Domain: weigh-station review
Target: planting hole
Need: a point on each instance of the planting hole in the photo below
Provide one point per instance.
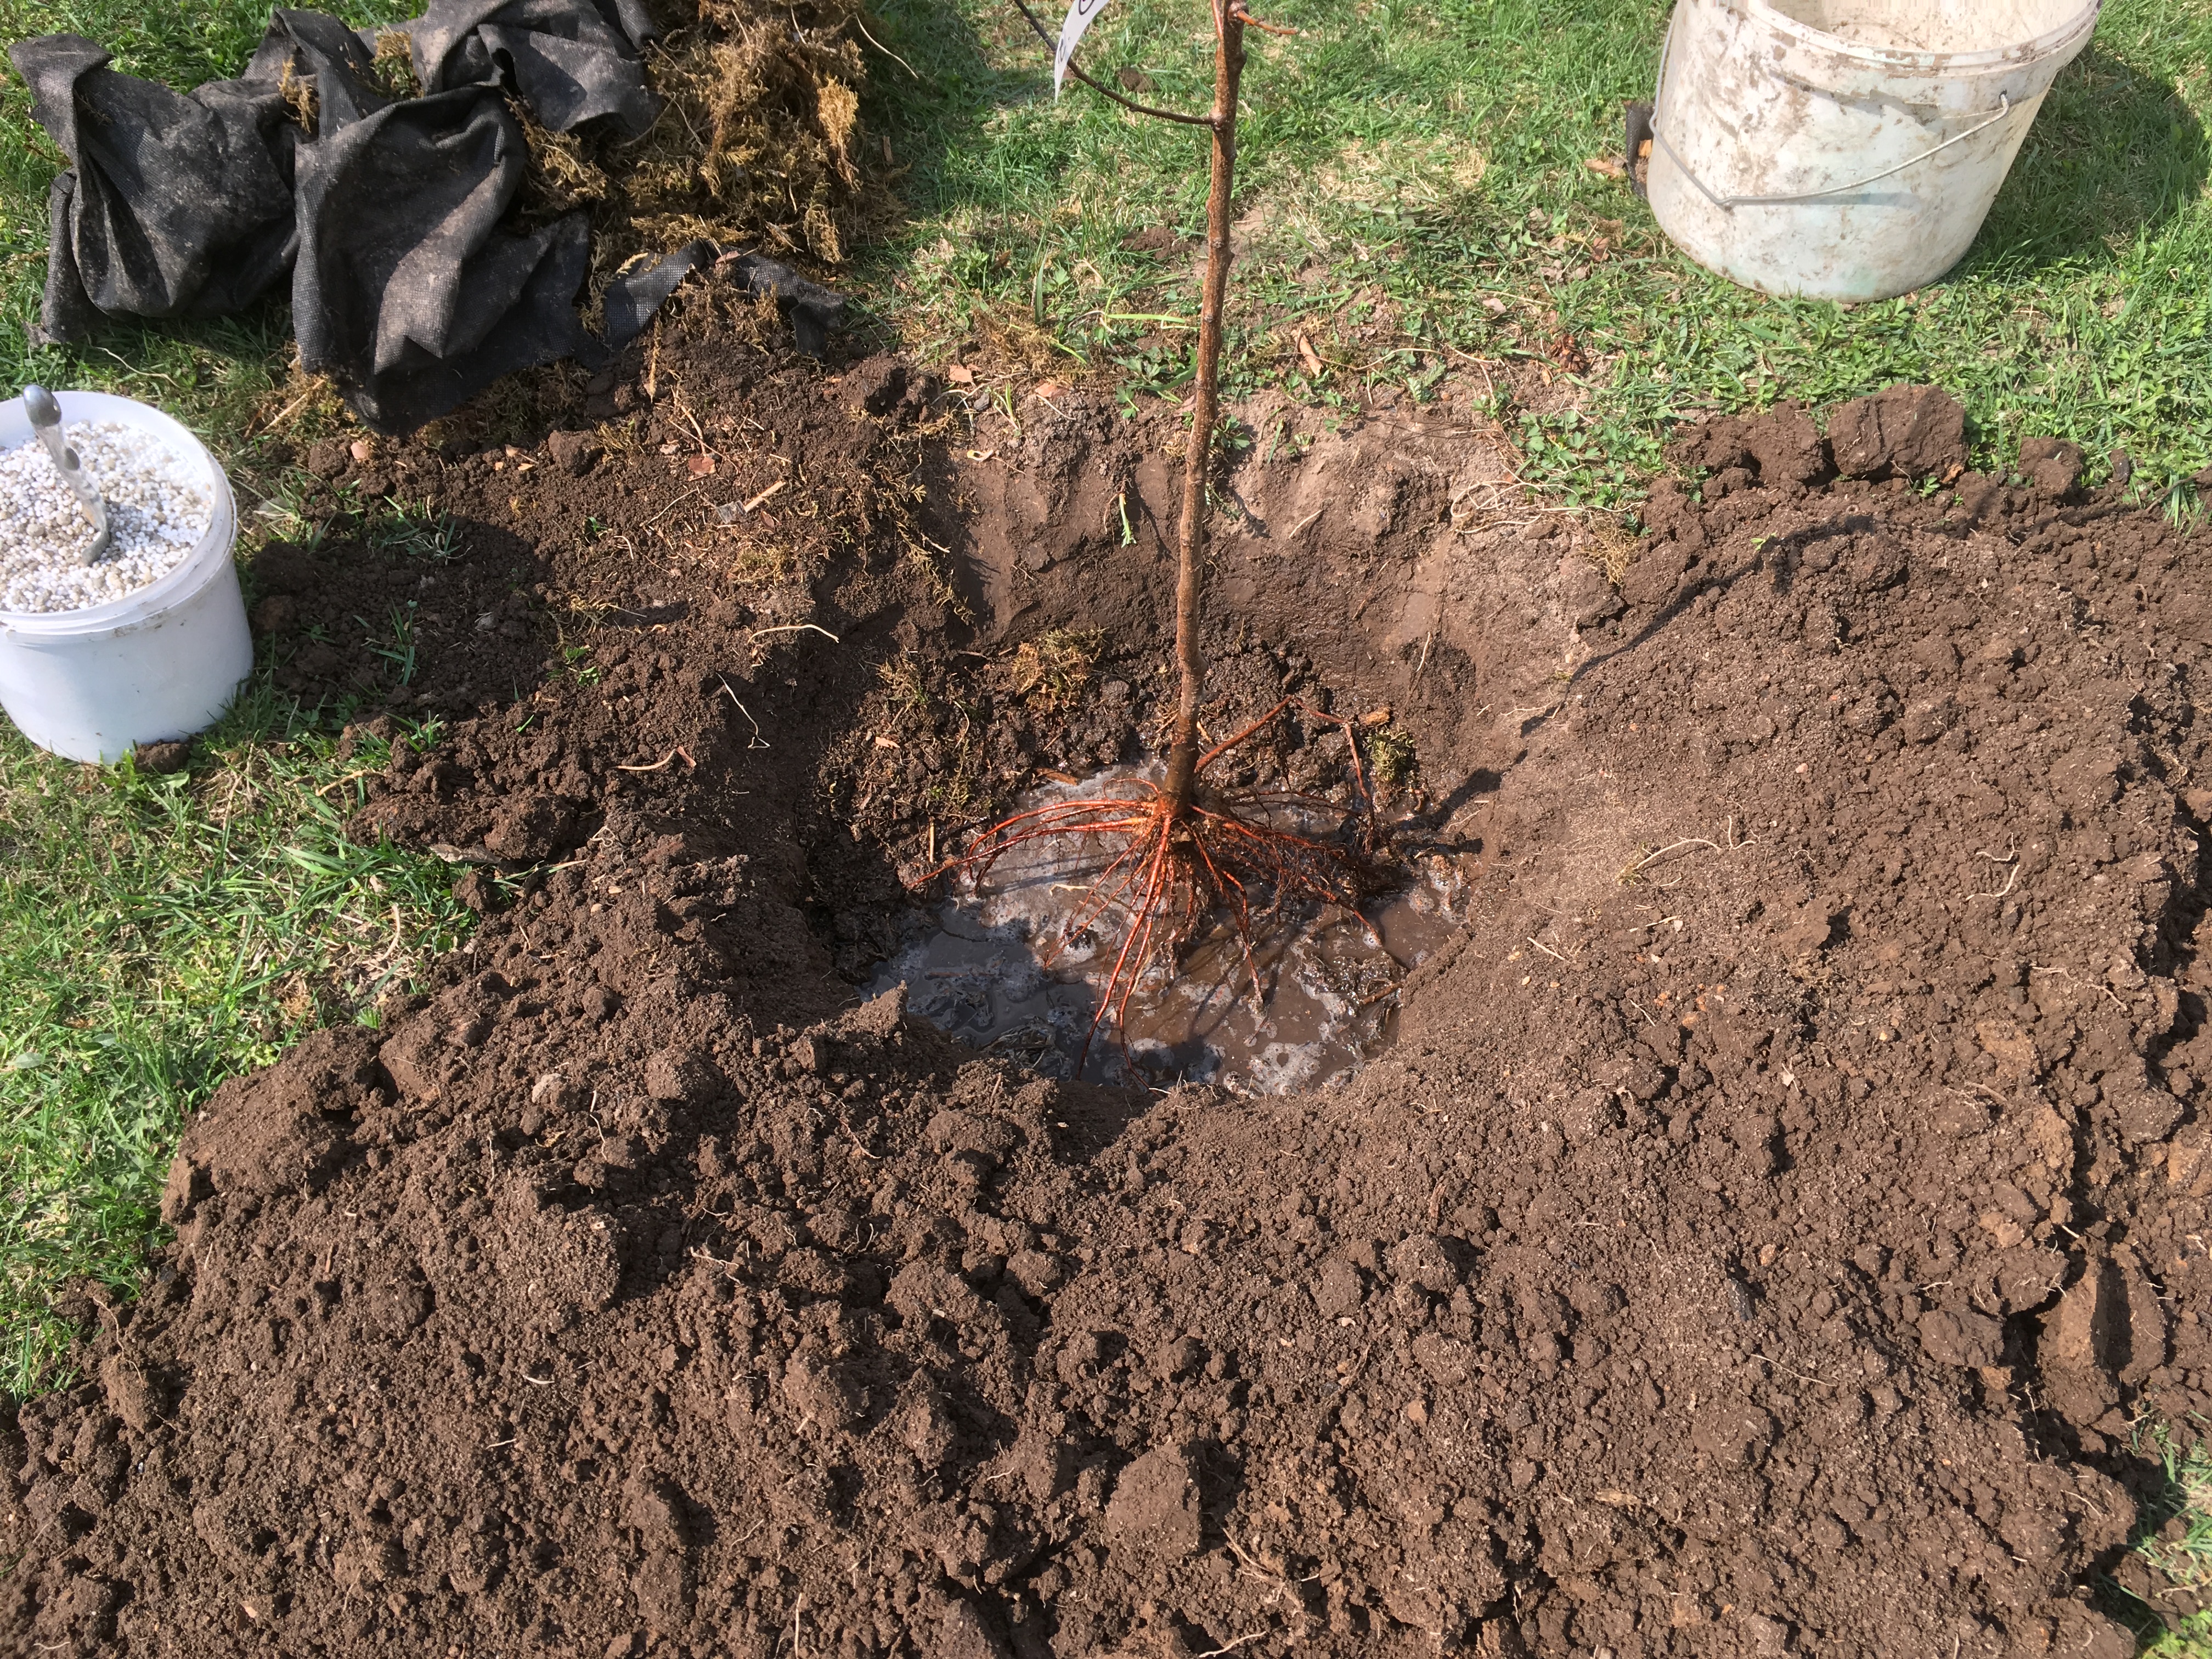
(999, 972)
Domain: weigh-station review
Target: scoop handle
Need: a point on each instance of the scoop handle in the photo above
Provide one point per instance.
(44, 410)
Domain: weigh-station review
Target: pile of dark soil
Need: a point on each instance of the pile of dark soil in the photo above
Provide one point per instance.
(1778, 1212)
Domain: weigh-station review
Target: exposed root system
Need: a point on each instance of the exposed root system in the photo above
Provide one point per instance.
(1176, 869)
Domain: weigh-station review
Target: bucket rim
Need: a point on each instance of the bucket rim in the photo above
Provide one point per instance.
(186, 577)
(2068, 34)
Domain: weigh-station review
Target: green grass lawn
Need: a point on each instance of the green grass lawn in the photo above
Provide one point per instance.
(1413, 188)
(2174, 1531)
(157, 935)
(1413, 200)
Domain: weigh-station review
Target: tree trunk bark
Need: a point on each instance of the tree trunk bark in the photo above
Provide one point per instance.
(1190, 571)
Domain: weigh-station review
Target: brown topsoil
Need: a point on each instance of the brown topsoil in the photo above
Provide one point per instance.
(1776, 1213)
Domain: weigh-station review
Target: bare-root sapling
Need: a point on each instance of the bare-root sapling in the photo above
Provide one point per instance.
(1179, 854)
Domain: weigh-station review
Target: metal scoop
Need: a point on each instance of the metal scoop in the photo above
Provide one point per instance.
(45, 415)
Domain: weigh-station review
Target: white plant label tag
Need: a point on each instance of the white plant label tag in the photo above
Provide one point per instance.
(1079, 19)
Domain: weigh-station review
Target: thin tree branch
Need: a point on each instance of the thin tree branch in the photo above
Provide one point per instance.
(1250, 21)
(1107, 91)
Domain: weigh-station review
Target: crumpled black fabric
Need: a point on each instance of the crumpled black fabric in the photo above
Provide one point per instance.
(633, 297)
(405, 288)
(567, 61)
(177, 205)
(812, 310)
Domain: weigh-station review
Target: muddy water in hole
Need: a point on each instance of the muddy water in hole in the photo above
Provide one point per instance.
(990, 975)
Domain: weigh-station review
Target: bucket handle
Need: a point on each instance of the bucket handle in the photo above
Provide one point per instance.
(1729, 203)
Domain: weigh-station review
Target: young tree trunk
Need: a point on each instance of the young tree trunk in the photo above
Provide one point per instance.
(1190, 572)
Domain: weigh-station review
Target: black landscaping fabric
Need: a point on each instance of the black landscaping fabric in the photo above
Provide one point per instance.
(177, 205)
(566, 60)
(812, 310)
(386, 212)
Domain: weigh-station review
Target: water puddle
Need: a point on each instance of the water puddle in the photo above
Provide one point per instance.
(1328, 976)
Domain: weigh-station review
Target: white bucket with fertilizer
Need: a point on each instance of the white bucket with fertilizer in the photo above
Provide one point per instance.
(149, 640)
(1846, 149)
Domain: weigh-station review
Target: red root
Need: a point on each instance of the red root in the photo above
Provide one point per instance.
(1171, 874)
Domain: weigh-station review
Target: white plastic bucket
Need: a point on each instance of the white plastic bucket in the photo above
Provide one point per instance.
(162, 662)
(1846, 149)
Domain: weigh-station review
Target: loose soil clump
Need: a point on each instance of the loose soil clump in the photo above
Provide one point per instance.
(1778, 1207)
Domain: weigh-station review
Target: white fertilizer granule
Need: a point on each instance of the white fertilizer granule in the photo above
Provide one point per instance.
(155, 515)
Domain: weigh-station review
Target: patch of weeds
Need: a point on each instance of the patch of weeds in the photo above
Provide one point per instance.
(576, 660)
(281, 514)
(398, 642)
(904, 685)
(1051, 671)
(2184, 507)
(2190, 1637)
(158, 934)
(413, 531)
(960, 791)
(1391, 758)
(390, 525)
(954, 796)
(373, 754)
(1587, 462)
(1159, 368)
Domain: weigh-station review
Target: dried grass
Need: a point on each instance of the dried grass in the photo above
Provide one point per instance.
(297, 93)
(759, 144)
(561, 176)
(1051, 671)
(393, 63)
(1007, 337)
(1611, 547)
(300, 408)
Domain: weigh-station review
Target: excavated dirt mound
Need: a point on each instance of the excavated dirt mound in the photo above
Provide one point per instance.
(1778, 1208)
